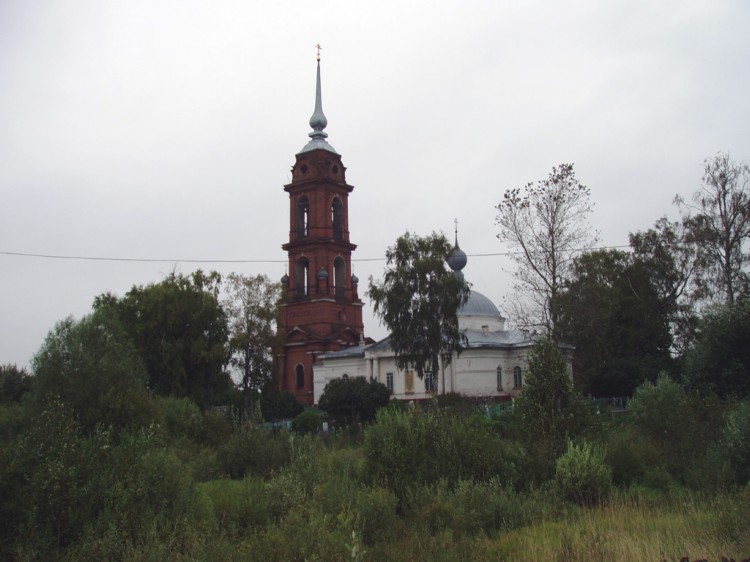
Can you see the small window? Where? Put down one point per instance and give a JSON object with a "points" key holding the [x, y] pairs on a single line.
{"points": [[409, 382], [300, 376], [499, 379], [429, 382], [389, 382], [517, 377], [345, 377]]}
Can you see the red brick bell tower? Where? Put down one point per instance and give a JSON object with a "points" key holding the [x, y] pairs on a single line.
{"points": [[321, 310]]}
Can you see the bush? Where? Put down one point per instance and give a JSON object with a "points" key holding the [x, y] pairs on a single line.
{"points": [[582, 476], [308, 422], [549, 410], [630, 456], [92, 366], [355, 399], [254, 451], [664, 413], [405, 449], [736, 441], [277, 406]]}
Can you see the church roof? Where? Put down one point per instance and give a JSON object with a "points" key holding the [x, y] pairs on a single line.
{"points": [[478, 305]]}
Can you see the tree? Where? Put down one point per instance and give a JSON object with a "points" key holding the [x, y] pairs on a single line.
{"points": [[14, 383], [719, 359], [545, 227], [418, 300], [251, 305], [92, 367], [180, 331], [549, 410], [275, 405], [663, 412], [354, 399], [613, 314], [671, 262], [720, 227]]}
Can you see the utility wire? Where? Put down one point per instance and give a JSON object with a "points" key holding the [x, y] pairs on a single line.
{"points": [[164, 260]]}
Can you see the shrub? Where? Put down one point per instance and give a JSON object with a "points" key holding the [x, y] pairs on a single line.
{"points": [[549, 410], [254, 451], [355, 399], [277, 406], [664, 413], [308, 422], [405, 449], [92, 366], [736, 441], [629, 455], [582, 476]]}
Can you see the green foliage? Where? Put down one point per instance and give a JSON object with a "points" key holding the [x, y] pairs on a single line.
{"points": [[735, 442], [549, 410], [277, 406], [618, 321], [240, 506], [308, 422], [254, 451], [180, 331], [92, 366], [251, 304], [719, 360], [630, 456], [418, 301], [582, 476], [681, 427], [14, 383], [404, 449], [353, 399], [473, 507]]}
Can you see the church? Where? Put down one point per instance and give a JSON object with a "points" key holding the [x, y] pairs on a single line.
{"points": [[321, 311]]}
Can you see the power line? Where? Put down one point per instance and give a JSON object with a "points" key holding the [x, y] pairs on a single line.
{"points": [[174, 260]]}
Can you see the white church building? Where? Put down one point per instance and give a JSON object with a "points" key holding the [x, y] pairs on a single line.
{"points": [[490, 366]]}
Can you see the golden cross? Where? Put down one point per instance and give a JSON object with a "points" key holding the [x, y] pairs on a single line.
{"points": [[319, 48]]}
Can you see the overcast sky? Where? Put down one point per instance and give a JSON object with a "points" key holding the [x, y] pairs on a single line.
{"points": [[166, 130]]}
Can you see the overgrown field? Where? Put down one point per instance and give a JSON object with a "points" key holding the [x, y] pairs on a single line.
{"points": [[420, 483]]}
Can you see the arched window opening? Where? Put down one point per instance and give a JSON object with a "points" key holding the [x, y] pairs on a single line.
{"points": [[337, 218], [303, 216], [302, 277], [300, 372], [517, 377], [499, 378], [339, 276], [345, 377]]}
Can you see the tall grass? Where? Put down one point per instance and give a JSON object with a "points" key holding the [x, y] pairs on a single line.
{"points": [[635, 527]]}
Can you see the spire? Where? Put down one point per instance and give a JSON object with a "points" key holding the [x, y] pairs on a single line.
{"points": [[318, 121]]}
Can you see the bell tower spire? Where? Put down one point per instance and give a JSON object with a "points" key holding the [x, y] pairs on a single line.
{"points": [[318, 121], [321, 310]]}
